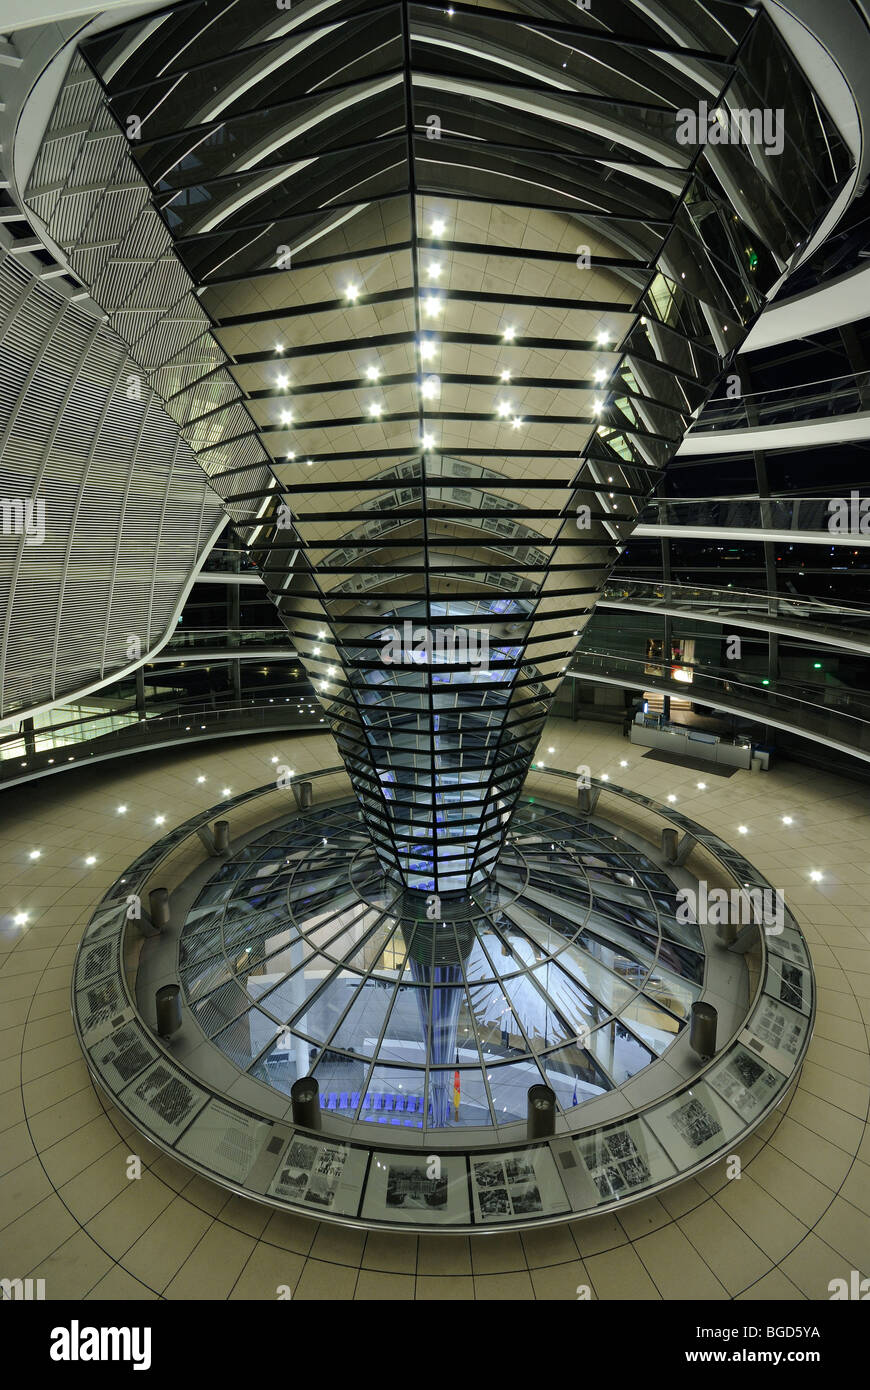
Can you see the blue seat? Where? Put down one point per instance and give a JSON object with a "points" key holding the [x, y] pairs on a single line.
{"points": [[342, 1101], [322, 1100], [411, 1104], [388, 1102], [410, 1122], [354, 1101], [379, 1101], [400, 1102], [367, 1103], [382, 1119], [333, 1101], [395, 1120]]}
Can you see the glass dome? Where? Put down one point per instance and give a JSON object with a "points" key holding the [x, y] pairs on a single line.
{"points": [[568, 967]]}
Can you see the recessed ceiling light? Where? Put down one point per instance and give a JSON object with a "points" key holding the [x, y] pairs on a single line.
{"points": [[509, 333], [376, 409], [431, 304], [428, 441], [434, 270], [603, 338], [279, 347], [605, 776], [200, 779], [429, 388], [623, 763], [226, 791], [122, 810], [671, 797], [743, 830], [787, 820], [702, 786], [438, 226], [373, 373], [504, 408], [505, 376], [352, 292], [91, 859], [35, 853], [815, 876], [21, 919], [427, 350], [286, 417], [551, 750], [274, 760], [282, 382]]}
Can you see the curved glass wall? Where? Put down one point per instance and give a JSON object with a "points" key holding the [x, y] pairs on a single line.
{"points": [[570, 966]]}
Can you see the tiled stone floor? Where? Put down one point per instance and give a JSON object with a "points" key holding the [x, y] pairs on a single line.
{"points": [[798, 1216]]}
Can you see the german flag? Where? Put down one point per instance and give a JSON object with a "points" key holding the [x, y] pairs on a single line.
{"points": [[456, 1095]]}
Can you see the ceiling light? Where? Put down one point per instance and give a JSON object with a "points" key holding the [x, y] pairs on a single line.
{"points": [[200, 779], [122, 810], [743, 830], [376, 409], [429, 388], [352, 292], [671, 797], [431, 304], [428, 441], [427, 350], [516, 422], [505, 376], [603, 338], [509, 333], [286, 417], [605, 777], [35, 853], [600, 376], [21, 919], [787, 820], [702, 786], [159, 820], [551, 750], [373, 373], [91, 859], [321, 635], [438, 227], [279, 347], [504, 408], [623, 763], [434, 270], [226, 791], [815, 876], [597, 407], [282, 382]]}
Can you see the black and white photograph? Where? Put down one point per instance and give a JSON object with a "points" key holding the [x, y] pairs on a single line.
{"points": [[410, 1187], [695, 1123]]}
